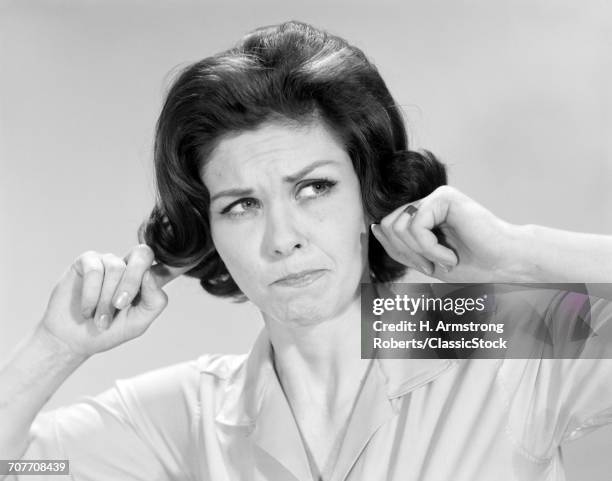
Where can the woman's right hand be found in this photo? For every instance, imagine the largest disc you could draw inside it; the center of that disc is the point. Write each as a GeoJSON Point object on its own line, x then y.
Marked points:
{"type": "Point", "coordinates": [478, 246]}
{"type": "Point", "coordinates": [104, 300]}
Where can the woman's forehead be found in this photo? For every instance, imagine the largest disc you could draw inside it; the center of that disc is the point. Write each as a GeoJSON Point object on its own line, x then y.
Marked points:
{"type": "Point", "coordinates": [276, 148]}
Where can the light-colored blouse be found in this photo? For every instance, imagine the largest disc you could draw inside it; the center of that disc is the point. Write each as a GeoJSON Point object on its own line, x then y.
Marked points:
{"type": "Point", "coordinates": [225, 417]}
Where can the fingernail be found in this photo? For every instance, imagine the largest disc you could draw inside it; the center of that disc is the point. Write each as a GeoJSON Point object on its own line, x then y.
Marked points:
{"type": "Point", "coordinates": [122, 300]}
{"type": "Point", "coordinates": [410, 210]}
{"type": "Point", "coordinates": [102, 322]}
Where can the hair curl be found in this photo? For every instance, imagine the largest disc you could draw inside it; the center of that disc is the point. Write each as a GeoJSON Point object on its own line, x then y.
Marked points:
{"type": "Point", "coordinates": [290, 72]}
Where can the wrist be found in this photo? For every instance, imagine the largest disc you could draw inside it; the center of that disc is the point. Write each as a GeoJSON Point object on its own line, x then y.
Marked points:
{"type": "Point", "coordinates": [520, 265]}
{"type": "Point", "coordinates": [49, 343]}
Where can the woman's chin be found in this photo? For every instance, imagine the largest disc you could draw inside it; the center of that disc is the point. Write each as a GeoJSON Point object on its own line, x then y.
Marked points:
{"type": "Point", "coordinates": [299, 313]}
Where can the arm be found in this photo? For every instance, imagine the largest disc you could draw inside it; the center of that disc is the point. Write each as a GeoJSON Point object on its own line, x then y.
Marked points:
{"type": "Point", "coordinates": [86, 314]}
{"type": "Point", "coordinates": [477, 246]}
{"type": "Point", "coordinates": [553, 255]}
{"type": "Point", "coordinates": [29, 377]}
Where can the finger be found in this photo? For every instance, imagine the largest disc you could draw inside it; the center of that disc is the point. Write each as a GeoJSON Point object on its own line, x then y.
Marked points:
{"type": "Point", "coordinates": [113, 272]}
{"type": "Point", "coordinates": [152, 297]}
{"type": "Point", "coordinates": [90, 268]}
{"type": "Point", "coordinates": [137, 261]}
{"type": "Point", "coordinates": [406, 209]}
{"type": "Point", "coordinates": [394, 226]}
{"type": "Point", "coordinates": [398, 232]}
{"type": "Point", "coordinates": [430, 215]}
{"type": "Point", "coordinates": [152, 300]}
{"type": "Point", "coordinates": [146, 307]}
{"type": "Point", "coordinates": [399, 252]}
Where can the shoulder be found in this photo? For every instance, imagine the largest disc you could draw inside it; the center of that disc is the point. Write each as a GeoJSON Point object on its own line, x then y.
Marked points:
{"type": "Point", "coordinates": [182, 380]}
{"type": "Point", "coordinates": [155, 417]}
{"type": "Point", "coordinates": [550, 401]}
{"type": "Point", "coordinates": [161, 403]}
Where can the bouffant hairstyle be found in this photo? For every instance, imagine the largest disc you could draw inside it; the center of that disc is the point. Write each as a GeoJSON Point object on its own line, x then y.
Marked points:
{"type": "Point", "coordinates": [290, 72]}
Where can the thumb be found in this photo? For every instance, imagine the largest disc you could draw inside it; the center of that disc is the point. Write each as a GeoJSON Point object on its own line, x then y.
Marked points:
{"type": "Point", "coordinates": [152, 298]}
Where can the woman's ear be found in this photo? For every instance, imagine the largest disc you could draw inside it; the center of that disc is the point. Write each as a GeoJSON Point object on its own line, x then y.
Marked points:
{"type": "Point", "coordinates": [368, 220]}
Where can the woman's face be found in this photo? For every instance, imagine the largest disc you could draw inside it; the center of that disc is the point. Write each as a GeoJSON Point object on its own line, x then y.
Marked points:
{"type": "Point", "coordinates": [287, 219]}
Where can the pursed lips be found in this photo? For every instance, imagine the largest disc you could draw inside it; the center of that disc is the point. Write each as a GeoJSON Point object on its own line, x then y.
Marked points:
{"type": "Point", "coordinates": [301, 277]}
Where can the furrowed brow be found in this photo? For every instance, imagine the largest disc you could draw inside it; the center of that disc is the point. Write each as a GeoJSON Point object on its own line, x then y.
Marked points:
{"type": "Point", "coordinates": [232, 193]}
{"type": "Point", "coordinates": [306, 170]}
{"type": "Point", "coordinates": [238, 192]}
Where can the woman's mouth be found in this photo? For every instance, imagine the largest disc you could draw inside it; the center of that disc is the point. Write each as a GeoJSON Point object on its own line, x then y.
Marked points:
{"type": "Point", "coordinates": [300, 279]}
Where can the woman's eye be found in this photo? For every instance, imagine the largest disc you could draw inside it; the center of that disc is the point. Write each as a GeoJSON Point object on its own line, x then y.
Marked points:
{"type": "Point", "coordinates": [309, 190]}
{"type": "Point", "coordinates": [316, 188]}
{"type": "Point", "coordinates": [240, 207]}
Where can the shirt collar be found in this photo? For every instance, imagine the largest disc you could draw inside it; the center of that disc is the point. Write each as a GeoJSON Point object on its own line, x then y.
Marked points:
{"type": "Point", "coordinates": [254, 399]}
{"type": "Point", "coordinates": [254, 378]}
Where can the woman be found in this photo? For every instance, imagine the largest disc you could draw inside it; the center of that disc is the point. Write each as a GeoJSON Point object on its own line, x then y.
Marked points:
{"type": "Point", "coordinates": [273, 160]}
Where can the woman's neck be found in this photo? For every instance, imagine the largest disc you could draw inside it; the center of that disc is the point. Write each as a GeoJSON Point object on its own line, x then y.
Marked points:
{"type": "Point", "coordinates": [320, 365]}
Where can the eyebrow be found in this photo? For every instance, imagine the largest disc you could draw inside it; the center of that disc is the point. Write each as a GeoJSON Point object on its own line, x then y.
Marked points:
{"type": "Point", "coordinates": [289, 179]}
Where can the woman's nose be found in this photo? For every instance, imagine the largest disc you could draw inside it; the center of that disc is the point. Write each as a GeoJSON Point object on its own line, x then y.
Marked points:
{"type": "Point", "coordinates": [283, 234]}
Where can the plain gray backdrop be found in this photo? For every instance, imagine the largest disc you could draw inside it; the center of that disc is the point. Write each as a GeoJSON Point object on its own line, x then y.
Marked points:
{"type": "Point", "coordinates": [513, 96]}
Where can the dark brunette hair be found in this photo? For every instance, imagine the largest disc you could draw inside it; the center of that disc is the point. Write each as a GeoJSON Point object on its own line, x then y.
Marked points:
{"type": "Point", "coordinates": [290, 72]}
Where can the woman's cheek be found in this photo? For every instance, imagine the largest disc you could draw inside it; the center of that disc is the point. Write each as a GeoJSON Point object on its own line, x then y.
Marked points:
{"type": "Point", "coordinates": [228, 236]}
{"type": "Point", "coordinates": [241, 259]}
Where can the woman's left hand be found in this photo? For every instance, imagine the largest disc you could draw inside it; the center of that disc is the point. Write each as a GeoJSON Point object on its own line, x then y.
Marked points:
{"type": "Point", "coordinates": [474, 245]}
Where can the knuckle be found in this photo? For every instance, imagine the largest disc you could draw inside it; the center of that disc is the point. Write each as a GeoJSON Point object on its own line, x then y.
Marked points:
{"type": "Point", "coordinates": [89, 263]}
{"type": "Point", "coordinates": [145, 252]}
{"type": "Point", "coordinates": [163, 300]}
{"type": "Point", "coordinates": [89, 254]}
{"type": "Point", "coordinates": [139, 263]}
{"type": "Point", "coordinates": [113, 263]}
{"type": "Point", "coordinates": [84, 257]}
{"type": "Point", "coordinates": [160, 302]}
{"type": "Point", "coordinates": [398, 229]}
{"type": "Point", "coordinates": [109, 257]}
{"type": "Point", "coordinates": [445, 190]}
{"type": "Point", "coordinates": [93, 269]}
{"type": "Point", "coordinates": [385, 223]}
